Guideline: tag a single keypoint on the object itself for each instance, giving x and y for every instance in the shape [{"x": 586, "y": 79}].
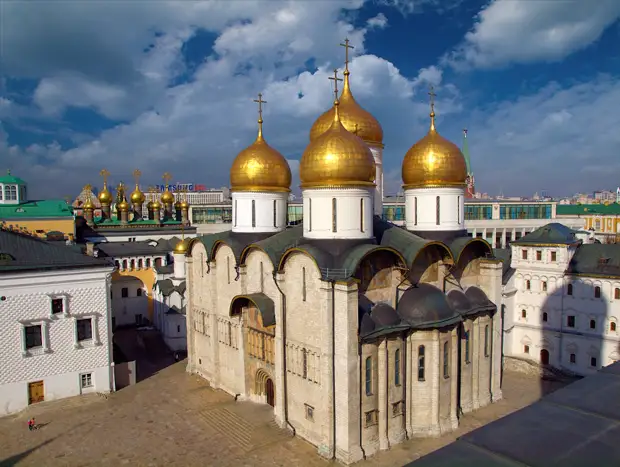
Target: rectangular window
[
  {"x": 310, "y": 215},
  {"x": 275, "y": 213},
  {"x": 57, "y": 305},
  {"x": 236, "y": 210},
  {"x": 334, "y": 214},
  {"x": 368, "y": 376},
  {"x": 593, "y": 362},
  {"x": 86, "y": 380},
  {"x": 33, "y": 336},
  {"x": 570, "y": 321},
  {"x": 523, "y": 254},
  {"x": 486, "y": 340},
  {"x": 538, "y": 255},
  {"x": 124, "y": 292},
  {"x": 84, "y": 329},
  {"x": 554, "y": 256},
  {"x": 178, "y": 328},
  {"x": 446, "y": 360},
  {"x": 421, "y": 363},
  {"x": 573, "y": 358},
  {"x": 526, "y": 349},
  {"x": 309, "y": 412},
  {"x": 371, "y": 418},
  {"x": 544, "y": 286},
  {"x": 617, "y": 293},
  {"x": 262, "y": 276}
]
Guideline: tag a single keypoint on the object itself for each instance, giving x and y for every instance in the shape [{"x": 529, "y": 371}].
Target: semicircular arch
[{"x": 292, "y": 251}]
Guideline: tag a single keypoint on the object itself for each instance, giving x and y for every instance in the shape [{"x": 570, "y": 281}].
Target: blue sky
[{"x": 168, "y": 86}]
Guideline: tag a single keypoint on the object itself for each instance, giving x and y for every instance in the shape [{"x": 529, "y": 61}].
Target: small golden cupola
[
  {"x": 167, "y": 198},
  {"x": 337, "y": 157},
  {"x": 434, "y": 161},
  {"x": 260, "y": 183},
  {"x": 137, "y": 197},
  {"x": 352, "y": 116},
  {"x": 259, "y": 167},
  {"x": 105, "y": 197}
]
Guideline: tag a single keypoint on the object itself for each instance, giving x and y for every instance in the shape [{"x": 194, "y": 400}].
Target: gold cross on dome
[
  {"x": 432, "y": 95},
  {"x": 105, "y": 174},
  {"x": 88, "y": 187},
  {"x": 260, "y": 103},
  {"x": 346, "y": 53},
  {"x": 335, "y": 79},
  {"x": 136, "y": 175},
  {"x": 167, "y": 177}
]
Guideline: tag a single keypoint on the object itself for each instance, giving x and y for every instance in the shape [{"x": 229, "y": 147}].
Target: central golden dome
[
  {"x": 105, "y": 197},
  {"x": 137, "y": 197},
  {"x": 167, "y": 197},
  {"x": 337, "y": 158},
  {"x": 352, "y": 116},
  {"x": 434, "y": 162},
  {"x": 259, "y": 167}
]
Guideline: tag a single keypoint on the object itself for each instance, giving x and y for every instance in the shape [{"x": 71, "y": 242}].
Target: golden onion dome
[
  {"x": 105, "y": 197},
  {"x": 123, "y": 206},
  {"x": 184, "y": 205},
  {"x": 155, "y": 204},
  {"x": 259, "y": 167},
  {"x": 352, "y": 116},
  {"x": 181, "y": 247},
  {"x": 88, "y": 204},
  {"x": 137, "y": 197},
  {"x": 337, "y": 158},
  {"x": 434, "y": 162},
  {"x": 167, "y": 197}
]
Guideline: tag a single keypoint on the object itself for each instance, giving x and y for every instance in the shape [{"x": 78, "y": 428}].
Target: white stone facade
[
  {"x": 66, "y": 316},
  {"x": 169, "y": 305},
  {"x": 321, "y": 388},
  {"x": 569, "y": 322},
  {"x": 338, "y": 213},
  {"x": 377, "y": 152},
  {"x": 435, "y": 209},
  {"x": 259, "y": 211}
]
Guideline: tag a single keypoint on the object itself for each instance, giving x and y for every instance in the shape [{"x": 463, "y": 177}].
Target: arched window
[
  {"x": 124, "y": 264},
  {"x": 569, "y": 289},
  {"x": 303, "y": 284},
  {"x": 139, "y": 292},
  {"x": 369, "y": 376},
  {"x": 486, "y": 340},
  {"x": 592, "y": 324},
  {"x": 310, "y": 215},
  {"x": 253, "y": 213},
  {"x": 446, "y": 360},
  {"x": 597, "y": 224},
  {"x": 545, "y": 316},
  {"x": 466, "y": 346},
  {"x": 421, "y": 363},
  {"x": 415, "y": 210},
  {"x": 334, "y": 214},
  {"x": 397, "y": 367},
  {"x": 236, "y": 210},
  {"x": 361, "y": 214},
  {"x": 597, "y": 292},
  {"x": 523, "y": 314},
  {"x": 438, "y": 208},
  {"x": 118, "y": 265},
  {"x": 612, "y": 326},
  {"x": 528, "y": 284},
  {"x": 275, "y": 213},
  {"x": 617, "y": 293}
]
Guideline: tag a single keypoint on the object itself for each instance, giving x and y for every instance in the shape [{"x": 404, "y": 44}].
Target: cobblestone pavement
[{"x": 176, "y": 419}]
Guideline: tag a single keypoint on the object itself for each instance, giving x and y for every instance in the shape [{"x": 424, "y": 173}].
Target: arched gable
[
  {"x": 358, "y": 254},
  {"x": 304, "y": 250},
  {"x": 193, "y": 243},
  {"x": 249, "y": 249},
  {"x": 262, "y": 302}
]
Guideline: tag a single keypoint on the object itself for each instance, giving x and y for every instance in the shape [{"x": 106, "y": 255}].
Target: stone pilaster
[
  {"x": 411, "y": 374},
  {"x": 454, "y": 378},
  {"x": 347, "y": 375},
  {"x": 434, "y": 362},
  {"x": 279, "y": 364},
  {"x": 382, "y": 375},
  {"x": 326, "y": 448},
  {"x": 491, "y": 283},
  {"x": 475, "y": 343}
]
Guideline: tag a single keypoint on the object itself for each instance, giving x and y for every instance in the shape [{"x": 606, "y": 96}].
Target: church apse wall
[{"x": 308, "y": 322}]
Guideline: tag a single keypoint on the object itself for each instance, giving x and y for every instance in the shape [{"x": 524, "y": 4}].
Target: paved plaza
[{"x": 176, "y": 419}]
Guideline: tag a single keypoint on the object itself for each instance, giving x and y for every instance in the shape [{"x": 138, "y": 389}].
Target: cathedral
[{"x": 360, "y": 334}]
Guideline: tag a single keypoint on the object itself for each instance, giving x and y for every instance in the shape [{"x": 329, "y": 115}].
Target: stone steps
[{"x": 231, "y": 426}]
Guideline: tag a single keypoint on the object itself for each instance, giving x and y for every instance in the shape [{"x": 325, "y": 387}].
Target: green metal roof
[
  {"x": 596, "y": 259},
  {"x": 550, "y": 234},
  {"x": 586, "y": 209},
  {"x": 34, "y": 209},
  {"x": 11, "y": 179}
]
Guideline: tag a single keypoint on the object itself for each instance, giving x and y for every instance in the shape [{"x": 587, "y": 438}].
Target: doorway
[
  {"x": 270, "y": 393},
  {"x": 36, "y": 392},
  {"x": 544, "y": 357}
]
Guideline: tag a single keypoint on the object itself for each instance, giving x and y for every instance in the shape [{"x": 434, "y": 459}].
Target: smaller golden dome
[
  {"x": 167, "y": 197},
  {"x": 434, "y": 161},
  {"x": 259, "y": 167},
  {"x": 88, "y": 204},
  {"x": 155, "y": 204},
  {"x": 184, "y": 205},
  {"x": 337, "y": 158},
  {"x": 105, "y": 197},
  {"x": 181, "y": 247},
  {"x": 137, "y": 197},
  {"x": 123, "y": 206},
  {"x": 177, "y": 205}
]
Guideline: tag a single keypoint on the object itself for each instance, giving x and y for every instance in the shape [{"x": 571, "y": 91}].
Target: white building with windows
[
  {"x": 562, "y": 303},
  {"x": 55, "y": 321}
]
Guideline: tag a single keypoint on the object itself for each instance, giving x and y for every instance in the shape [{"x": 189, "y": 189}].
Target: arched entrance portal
[
  {"x": 544, "y": 357},
  {"x": 269, "y": 392}
]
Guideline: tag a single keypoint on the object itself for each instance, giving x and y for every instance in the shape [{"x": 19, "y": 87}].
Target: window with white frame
[
  {"x": 58, "y": 305},
  {"x": 86, "y": 380},
  {"x": 33, "y": 336}
]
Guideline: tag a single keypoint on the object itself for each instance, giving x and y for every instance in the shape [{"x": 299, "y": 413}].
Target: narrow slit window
[
  {"x": 303, "y": 284},
  {"x": 421, "y": 363},
  {"x": 415, "y": 210},
  {"x": 275, "y": 213},
  {"x": 253, "y": 213},
  {"x": 236, "y": 210},
  {"x": 368, "y": 376},
  {"x": 310, "y": 215},
  {"x": 334, "y": 214},
  {"x": 446, "y": 360},
  {"x": 486, "y": 340},
  {"x": 362, "y": 215},
  {"x": 228, "y": 268},
  {"x": 397, "y": 367},
  {"x": 438, "y": 206},
  {"x": 458, "y": 209}
]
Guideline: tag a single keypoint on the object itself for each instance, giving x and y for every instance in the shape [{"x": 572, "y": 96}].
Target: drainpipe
[
  {"x": 359, "y": 351},
  {"x": 285, "y": 379},
  {"x": 405, "y": 379},
  {"x": 334, "y": 366}
]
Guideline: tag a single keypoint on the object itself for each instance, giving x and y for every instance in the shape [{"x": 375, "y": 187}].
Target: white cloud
[
  {"x": 524, "y": 31},
  {"x": 379, "y": 22}
]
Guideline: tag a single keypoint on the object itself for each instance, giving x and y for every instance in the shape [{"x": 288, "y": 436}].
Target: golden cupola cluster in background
[
  {"x": 337, "y": 157},
  {"x": 434, "y": 161},
  {"x": 259, "y": 167},
  {"x": 353, "y": 116}
]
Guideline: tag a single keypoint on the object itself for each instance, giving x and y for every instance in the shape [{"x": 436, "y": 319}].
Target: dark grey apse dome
[
  {"x": 459, "y": 301},
  {"x": 367, "y": 325},
  {"x": 425, "y": 306},
  {"x": 384, "y": 315},
  {"x": 478, "y": 299}
]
